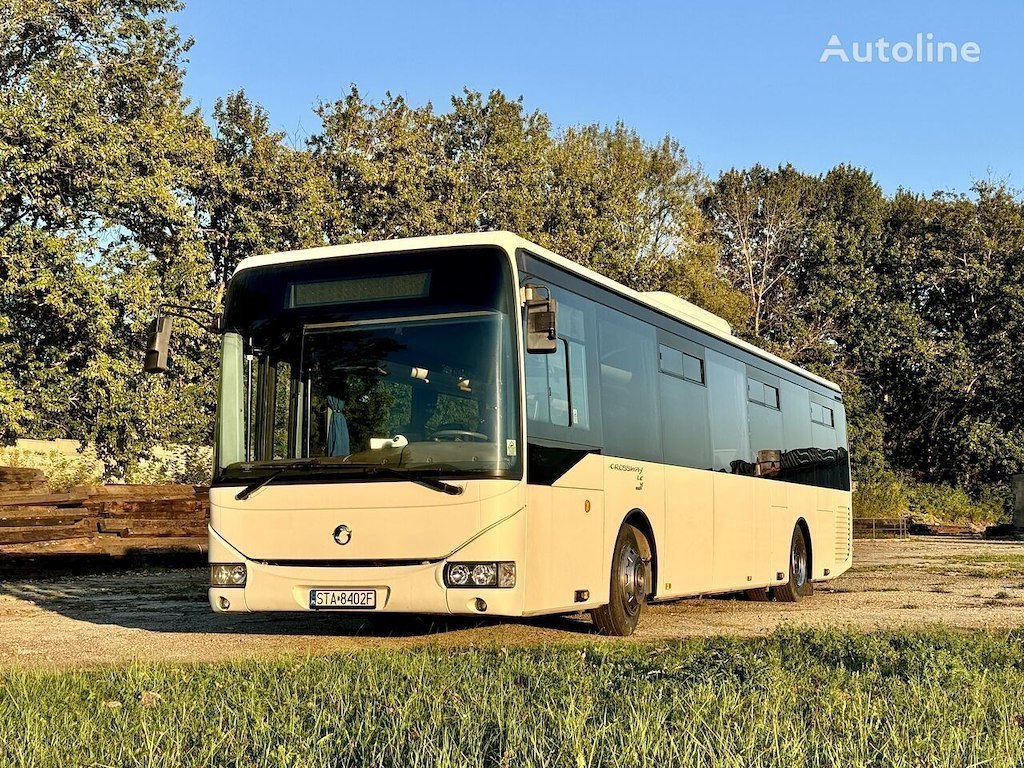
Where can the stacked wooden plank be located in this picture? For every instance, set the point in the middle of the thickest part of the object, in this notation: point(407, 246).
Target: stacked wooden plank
point(112, 519)
point(14, 480)
point(29, 512)
point(150, 510)
point(947, 529)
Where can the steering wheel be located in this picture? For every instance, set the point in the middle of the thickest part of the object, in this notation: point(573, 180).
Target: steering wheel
point(457, 436)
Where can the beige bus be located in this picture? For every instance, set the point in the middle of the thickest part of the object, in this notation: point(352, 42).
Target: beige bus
point(474, 425)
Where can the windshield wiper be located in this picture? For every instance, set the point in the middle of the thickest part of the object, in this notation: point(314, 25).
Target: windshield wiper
point(404, 474)
point(250, 489)
point(369, 469)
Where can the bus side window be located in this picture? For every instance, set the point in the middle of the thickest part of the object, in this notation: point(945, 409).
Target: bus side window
point(558, 386)
point(554, 394)
point(578, 382)
point(764, 413)
point(629, 407)
point(547, 388)
point(686, 434)
point(537, 388)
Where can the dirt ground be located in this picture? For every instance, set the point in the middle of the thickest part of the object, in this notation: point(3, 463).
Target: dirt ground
point(162, 614)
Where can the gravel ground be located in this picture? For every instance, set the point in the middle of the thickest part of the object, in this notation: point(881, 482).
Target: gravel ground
point(162, 614)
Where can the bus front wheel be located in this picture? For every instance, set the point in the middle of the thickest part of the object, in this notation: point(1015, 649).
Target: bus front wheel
point(799, 584)
point(628, 594)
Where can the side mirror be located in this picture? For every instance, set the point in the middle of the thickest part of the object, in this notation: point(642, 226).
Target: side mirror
point(158, 344)
point(541, 322)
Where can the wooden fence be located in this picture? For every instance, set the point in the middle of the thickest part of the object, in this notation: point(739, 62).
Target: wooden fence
point(881, 527)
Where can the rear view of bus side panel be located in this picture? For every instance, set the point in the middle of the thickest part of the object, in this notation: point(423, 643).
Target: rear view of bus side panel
point(814, 430)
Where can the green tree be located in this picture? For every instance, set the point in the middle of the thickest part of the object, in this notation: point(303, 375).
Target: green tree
point(956, 266)
point(97, 154)
point(759, 218)
point(493, 168)
point(600, 196)
point(381, 161)
point(259, 195)
point(630, 210)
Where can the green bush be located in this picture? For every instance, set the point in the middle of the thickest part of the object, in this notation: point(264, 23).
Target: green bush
point(883, 498)
point(942, 503)
point(63, 471)
point(186, 464)
point(930, 502)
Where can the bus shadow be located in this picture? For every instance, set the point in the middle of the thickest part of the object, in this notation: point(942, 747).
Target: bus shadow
point(173, 600)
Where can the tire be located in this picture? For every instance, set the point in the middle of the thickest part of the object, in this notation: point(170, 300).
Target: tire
point(762, 595)
point(799, 584)
point(628, 589)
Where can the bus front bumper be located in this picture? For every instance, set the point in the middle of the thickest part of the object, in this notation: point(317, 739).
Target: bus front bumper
point(415, 588)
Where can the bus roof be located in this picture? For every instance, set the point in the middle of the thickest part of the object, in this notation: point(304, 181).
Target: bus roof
point(665, 303)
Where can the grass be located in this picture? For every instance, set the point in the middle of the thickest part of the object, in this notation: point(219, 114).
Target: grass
point(1001, 558)
point(985, 572)
point(992, 566)
point(794, 698)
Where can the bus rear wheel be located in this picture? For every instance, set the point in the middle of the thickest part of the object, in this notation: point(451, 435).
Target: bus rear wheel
point(799, 584)
point(628, 594)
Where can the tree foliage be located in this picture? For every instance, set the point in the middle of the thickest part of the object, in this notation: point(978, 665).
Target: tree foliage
point(116, 196)
point(97, 152)
point(259, 195)
point(911, 303)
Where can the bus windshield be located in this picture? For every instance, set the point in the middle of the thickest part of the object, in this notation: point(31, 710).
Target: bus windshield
point(369, 370)
point(418, 391)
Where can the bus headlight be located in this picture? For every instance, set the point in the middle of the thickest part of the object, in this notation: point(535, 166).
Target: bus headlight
point(458, 575)
point(496, 574)
point(227, 574)
point(485, 574)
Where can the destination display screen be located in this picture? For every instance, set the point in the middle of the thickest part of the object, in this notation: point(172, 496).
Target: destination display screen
point(359, 289)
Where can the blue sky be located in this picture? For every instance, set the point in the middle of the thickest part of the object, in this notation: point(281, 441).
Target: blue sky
point(736, 82)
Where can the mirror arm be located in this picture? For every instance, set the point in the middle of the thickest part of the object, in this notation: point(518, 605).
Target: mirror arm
point(159, 341)
point(215, 323)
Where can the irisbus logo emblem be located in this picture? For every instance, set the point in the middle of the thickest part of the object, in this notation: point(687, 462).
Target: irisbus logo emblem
point(342, 535)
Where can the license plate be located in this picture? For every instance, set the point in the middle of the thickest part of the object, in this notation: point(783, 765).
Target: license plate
point(359, 599)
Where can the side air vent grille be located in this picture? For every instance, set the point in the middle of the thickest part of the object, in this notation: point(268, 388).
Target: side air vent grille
point(844, 535)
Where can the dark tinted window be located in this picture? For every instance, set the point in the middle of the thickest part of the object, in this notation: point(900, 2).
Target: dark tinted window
point(267, 299)
point(680, 364)
point(671, 360)
point(763, 394)
point(628, 365)
point(693, 368)
point(822, 414)
point(684, 417)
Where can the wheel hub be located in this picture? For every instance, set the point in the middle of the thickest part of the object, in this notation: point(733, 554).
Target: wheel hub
point(632, 580)
point(798, 565)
